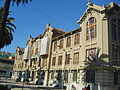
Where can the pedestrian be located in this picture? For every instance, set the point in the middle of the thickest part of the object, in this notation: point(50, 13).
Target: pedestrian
point(88, 87)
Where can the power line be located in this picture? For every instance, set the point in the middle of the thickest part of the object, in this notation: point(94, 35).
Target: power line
point(52, 18)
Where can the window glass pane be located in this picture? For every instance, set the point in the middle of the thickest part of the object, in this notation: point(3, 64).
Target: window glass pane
point(115, 78)
point(52, 75)
point(119, 34)
point(114, 32)
point(66, 76)
point(92, 32)
point(90, 76)
point(114, 20)
point(91, 29)
point(91, 20)
point(75, 76)
point(118, 21)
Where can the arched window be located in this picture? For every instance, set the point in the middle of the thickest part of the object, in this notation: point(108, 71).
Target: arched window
point(91, 28)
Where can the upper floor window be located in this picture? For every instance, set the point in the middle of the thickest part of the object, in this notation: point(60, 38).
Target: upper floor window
point(55, 46)
point(39, 63)
point(91, 54)
point(44, 62)
point(36, 50)
point(115, 26)
point(54, 61)
point(68, 42)
point(76, 58)
point(67, 59)
point(61, 44)
point(116, 55)
point(91, 28)
point(60, 60)
point(77, 39)
point(32, 52)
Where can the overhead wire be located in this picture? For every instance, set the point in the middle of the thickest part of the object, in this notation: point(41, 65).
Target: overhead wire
point(48, 16)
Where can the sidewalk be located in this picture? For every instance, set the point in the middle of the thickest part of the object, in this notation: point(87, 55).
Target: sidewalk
point(22, 86)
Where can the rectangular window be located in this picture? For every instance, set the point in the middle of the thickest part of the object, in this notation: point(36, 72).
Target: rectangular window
point(60, 60)
point(66, 76)
point(39, 64)
point(90, 76)
point(114, 32)
point(91, 54)
point(68, 44)
point(61, 44)
point(55, 46)
point(52, 75)
point(44, 62)
point(67, 59)
point(30, 63)
point(76, 58)
point(74, 76)
point(116, 78)
point(36, 50)
point(76, 39)
point(119, 34)
point(54, 61)
point(116, 55)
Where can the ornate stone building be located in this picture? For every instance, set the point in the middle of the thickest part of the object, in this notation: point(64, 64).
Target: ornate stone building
point(87, 56)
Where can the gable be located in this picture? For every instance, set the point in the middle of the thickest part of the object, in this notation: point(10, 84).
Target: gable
point(91, 8)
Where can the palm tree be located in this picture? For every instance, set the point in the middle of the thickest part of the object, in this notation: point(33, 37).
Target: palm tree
point(3, 20)
point(6, 34)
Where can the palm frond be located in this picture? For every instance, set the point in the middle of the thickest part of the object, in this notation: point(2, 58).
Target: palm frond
point(9, 23)
point(20, 1)
point(11, 29)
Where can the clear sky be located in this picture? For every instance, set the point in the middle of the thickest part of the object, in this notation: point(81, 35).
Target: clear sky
point(31, 19)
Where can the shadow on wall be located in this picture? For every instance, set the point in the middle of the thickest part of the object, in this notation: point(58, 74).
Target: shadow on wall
point(95, 62)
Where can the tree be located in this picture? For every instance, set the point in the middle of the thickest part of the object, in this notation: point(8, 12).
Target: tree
point(3, 21)
point(6, 34)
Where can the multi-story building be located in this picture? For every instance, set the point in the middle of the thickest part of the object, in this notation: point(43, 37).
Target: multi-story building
point(18, 64)
point(87, 56)
point(6, 64)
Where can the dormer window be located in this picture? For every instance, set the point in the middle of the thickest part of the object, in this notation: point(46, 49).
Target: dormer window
point(91, 28)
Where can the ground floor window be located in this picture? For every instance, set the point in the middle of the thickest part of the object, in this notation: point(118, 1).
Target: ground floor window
point(115, 78)
point(52, 75)
point(66, 76)
point(90, 76)
point(74, 75)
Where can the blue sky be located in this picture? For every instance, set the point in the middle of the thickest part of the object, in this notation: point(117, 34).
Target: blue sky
point(31, 19)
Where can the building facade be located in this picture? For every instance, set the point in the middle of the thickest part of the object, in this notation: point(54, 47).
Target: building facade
point(85, 57)
point(6, 64)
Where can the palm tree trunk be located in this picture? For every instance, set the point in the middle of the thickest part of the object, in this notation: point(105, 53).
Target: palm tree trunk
point(3, 22)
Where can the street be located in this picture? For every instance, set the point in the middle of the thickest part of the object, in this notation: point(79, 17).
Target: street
point(22, 86)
